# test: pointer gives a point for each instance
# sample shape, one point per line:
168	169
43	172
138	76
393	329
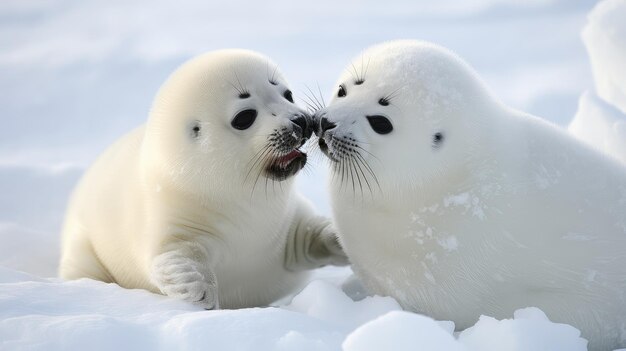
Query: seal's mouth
287	165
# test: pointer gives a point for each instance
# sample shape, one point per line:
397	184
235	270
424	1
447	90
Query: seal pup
199	203
458	206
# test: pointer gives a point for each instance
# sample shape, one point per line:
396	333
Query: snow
601	118
28	250
401	331
605	39
530	329
50	314
77	75
600	125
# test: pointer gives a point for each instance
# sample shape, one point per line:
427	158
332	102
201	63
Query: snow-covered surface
601	117
77	75
600	125
605	39
48	314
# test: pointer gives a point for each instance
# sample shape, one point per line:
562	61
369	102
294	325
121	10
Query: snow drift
601	117
49	314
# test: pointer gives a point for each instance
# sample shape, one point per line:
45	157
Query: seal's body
198	203
458	206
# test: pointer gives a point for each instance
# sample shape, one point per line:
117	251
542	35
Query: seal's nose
325	125
303	124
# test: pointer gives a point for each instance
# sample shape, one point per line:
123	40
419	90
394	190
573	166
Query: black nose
325	125
303	123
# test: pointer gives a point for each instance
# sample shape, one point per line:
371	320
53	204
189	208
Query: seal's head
404	112
225	119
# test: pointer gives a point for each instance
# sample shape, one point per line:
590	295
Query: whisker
356	162
273	79
317	102
262	158
358	177
264	164
344	176
352	181
321	95
311	107
369	153
257	154
393	94
243	90
356	73
362	77
310	102
368	168
352	165
307	169
235	87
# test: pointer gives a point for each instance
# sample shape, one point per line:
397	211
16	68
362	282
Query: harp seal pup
199	202
457	205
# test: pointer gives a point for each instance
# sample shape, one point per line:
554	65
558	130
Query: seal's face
263	112
397	118
228	118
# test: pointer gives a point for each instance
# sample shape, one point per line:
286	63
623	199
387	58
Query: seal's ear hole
244	119
437	139
380	124
342	91
195	129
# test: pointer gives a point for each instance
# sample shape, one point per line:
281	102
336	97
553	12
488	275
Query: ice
78	75
50	314
529	330
600	125
28	250
601	117
321	301
605	39
401	331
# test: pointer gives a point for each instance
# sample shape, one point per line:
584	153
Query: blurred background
76	75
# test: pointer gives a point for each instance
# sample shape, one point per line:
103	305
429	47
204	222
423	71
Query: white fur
193	217
508	212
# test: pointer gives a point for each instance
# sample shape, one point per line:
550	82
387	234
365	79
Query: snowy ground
601	117
47	314
77	75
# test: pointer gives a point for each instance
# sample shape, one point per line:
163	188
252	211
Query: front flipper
182	270
313	243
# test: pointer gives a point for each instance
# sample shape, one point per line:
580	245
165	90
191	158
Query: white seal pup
458	206
199	203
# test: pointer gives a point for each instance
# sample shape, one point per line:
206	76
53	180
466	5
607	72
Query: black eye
288	96
244	95
244	119
383	101
342	91
437	139
380	124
